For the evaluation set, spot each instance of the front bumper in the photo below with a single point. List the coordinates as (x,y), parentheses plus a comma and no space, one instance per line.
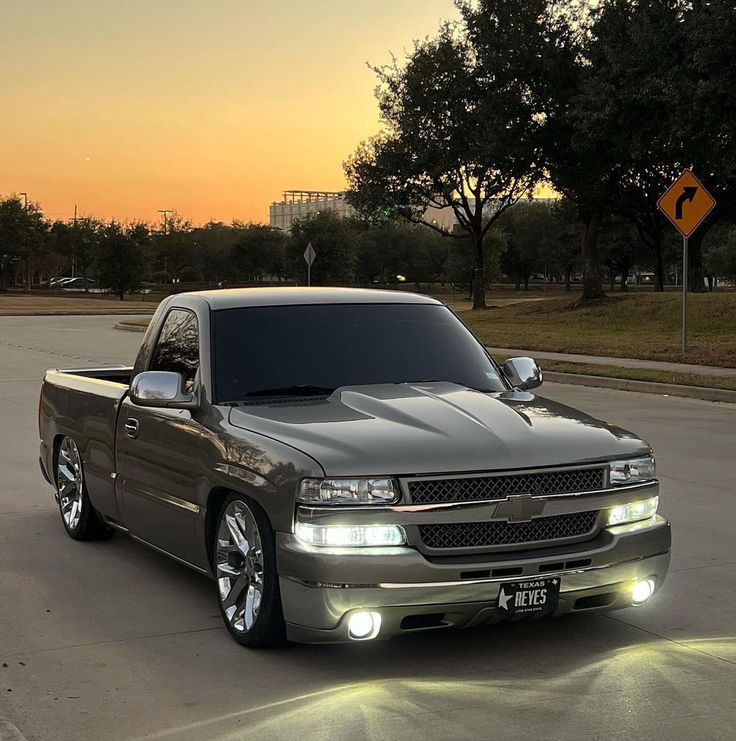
(320,587)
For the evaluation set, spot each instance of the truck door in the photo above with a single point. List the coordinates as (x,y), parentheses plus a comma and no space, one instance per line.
(157,451)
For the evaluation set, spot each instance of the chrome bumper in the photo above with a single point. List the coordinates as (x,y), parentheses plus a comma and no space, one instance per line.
(321,587)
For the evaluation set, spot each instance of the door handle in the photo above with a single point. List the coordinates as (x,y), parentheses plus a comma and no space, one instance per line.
(131,427)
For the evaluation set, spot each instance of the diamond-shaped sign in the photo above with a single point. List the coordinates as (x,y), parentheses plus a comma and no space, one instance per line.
(686,203)
(309,255)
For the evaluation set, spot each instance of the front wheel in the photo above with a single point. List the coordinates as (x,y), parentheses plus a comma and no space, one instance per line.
(77,513)
(245,570)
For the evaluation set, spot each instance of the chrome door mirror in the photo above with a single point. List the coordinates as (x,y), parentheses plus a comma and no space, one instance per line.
(523,373)
(161,389)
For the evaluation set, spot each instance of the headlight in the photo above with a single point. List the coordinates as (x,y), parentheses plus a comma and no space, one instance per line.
(354,536)
(632,512)
(632,471)
(348,491)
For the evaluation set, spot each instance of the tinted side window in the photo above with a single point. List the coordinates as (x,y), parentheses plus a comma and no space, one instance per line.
(177,349)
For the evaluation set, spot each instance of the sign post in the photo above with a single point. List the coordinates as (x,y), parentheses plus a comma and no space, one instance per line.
(686,203)
(309,255)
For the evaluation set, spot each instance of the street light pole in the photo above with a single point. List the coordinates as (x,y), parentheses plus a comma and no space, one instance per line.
(164,213)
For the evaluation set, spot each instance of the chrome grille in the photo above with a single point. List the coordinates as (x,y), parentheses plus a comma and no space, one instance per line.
(499,533)
(480,488)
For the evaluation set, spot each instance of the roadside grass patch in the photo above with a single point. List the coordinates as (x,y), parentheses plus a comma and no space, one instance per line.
(634,326)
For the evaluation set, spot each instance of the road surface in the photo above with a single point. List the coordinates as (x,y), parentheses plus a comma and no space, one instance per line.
(113,641)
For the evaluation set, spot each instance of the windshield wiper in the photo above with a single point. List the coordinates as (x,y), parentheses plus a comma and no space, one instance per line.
(304,389)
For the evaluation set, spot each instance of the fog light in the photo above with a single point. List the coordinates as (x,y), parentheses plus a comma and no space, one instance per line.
(642,591)
(364,625)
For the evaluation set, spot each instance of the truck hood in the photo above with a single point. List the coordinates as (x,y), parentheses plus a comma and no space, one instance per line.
(397,429)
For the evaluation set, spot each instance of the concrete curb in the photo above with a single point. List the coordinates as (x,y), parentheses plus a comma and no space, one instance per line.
(644,387)
(130,327)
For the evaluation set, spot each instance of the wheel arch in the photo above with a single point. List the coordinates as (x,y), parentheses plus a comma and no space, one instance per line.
(215,500)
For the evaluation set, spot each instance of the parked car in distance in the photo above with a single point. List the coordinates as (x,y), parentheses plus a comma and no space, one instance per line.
(59,282)
(349,465)
(78,283)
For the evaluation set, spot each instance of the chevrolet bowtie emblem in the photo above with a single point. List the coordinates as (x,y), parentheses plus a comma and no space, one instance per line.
(519,508)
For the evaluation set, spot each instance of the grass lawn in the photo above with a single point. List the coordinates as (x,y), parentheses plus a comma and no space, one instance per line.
(635,374)
(630,326)
(22,304)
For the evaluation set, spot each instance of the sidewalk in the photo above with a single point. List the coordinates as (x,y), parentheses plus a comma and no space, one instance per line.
(702,370)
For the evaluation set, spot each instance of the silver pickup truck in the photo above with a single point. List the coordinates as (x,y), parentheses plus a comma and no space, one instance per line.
(350,465)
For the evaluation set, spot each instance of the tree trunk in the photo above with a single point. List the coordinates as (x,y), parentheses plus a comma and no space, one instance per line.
(518,282)
(592,275)
(479,287)
(28,274)
(526,282)
(568,279)
(624,280)
(695,278)
(470,286)
(611,279)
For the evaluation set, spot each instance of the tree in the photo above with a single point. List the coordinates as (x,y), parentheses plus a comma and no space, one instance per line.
(22,236)
(530,231)
(121,259)
(259,252)
(335,240)
(458,128)
(77,240)
(705,115)
(563,251)
(173,247)
(621,249)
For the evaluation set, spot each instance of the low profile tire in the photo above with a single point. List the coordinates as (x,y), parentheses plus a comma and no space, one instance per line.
(80,519)
(245,572)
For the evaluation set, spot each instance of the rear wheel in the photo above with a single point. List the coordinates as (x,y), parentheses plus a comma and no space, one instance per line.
(245,570)
(77,513)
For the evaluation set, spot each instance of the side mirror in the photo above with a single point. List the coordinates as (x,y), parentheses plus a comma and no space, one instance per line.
(523,373)
(161,389)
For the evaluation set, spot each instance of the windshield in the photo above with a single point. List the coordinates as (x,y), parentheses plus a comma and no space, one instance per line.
(264,351)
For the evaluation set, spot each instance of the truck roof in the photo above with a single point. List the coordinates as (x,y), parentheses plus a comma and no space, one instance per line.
(235,298)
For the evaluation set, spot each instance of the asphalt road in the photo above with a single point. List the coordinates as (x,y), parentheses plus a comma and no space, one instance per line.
(113,641)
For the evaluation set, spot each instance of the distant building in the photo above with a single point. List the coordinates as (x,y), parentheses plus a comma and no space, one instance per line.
(298,203)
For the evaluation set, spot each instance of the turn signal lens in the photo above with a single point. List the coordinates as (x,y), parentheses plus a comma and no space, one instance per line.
(632,512)
(356,536)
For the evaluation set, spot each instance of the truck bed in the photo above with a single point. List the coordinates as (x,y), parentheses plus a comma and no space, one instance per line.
(83,403)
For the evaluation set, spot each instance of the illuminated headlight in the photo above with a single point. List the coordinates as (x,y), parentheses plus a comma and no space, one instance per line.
(348,491)
(632,512)
(355,536)
(632,471)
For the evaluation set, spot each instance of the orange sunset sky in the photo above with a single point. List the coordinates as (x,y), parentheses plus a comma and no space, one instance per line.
(211,108)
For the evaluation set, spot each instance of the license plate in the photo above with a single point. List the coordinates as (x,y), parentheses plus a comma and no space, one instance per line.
(532,598)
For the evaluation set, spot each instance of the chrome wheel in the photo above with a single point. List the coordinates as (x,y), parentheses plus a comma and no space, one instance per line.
(69,483)
(239,564)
